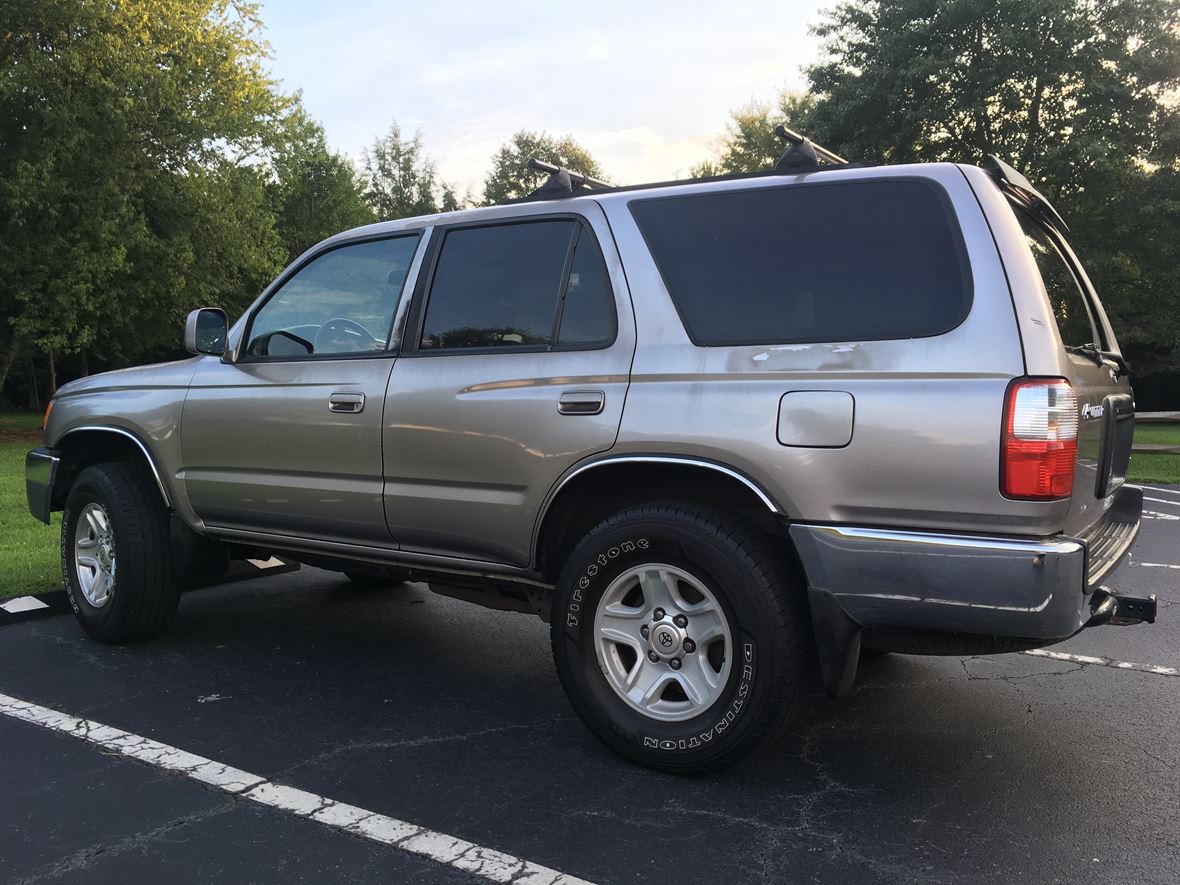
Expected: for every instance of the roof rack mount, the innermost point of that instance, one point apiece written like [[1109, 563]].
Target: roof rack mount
[[803, 152], [563, 182]]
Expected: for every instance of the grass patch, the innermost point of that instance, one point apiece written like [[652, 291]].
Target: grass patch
[[1157, 467], [1157, 434], [29, 559], [29, 421]]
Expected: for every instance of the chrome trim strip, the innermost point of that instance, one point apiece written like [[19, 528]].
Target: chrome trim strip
[[1013, 545], [135, 439]]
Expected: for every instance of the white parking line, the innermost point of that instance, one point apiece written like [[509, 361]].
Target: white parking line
[[1102, 662], [1157, 565], [1165, 491], [1162, 501], [495, 866], [1155, 514]]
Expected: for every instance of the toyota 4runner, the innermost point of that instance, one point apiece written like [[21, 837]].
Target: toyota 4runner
[[721, 434]]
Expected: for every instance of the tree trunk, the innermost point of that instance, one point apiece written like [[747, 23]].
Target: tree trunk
[[34, 399], [7, 358], [84, 364], [52, 373]]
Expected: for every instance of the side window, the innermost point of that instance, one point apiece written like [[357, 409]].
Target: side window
[[515, 285], [340, 303], [588, 308], [1071, 308]]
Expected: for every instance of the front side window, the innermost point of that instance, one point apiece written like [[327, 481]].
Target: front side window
[[1071, 308], [340, 303], [842, 261], [528, 285]]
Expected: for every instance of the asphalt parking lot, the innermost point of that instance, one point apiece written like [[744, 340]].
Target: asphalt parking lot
[[448, 719]]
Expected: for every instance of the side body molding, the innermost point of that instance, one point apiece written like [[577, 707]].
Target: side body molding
[[103, 428]]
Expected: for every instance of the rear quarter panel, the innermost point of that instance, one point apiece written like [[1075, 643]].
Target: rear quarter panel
[[925, 446]]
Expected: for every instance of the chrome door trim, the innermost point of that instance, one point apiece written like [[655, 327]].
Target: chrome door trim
[[142, 447]]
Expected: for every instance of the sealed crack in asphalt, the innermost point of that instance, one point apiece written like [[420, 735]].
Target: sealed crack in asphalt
[[81, 860]]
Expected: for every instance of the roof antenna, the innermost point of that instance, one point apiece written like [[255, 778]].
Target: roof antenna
[[562, 182], [802, 154]]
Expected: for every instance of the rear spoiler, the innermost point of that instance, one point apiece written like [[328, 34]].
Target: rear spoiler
[[1020, 190]]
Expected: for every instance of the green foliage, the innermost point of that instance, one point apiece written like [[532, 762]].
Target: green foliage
[[129, 187], [314, 192], [401, 180], [1077, 94], [511, 176]]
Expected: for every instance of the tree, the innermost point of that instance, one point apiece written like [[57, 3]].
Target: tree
[[401, 180], [129, 139], [1077, 94], [749, 142], [511, 176], [315, 192]]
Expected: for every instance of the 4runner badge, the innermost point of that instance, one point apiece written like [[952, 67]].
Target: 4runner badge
[[1089, 411]]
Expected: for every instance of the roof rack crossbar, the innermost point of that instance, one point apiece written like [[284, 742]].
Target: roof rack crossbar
[[795, 138]]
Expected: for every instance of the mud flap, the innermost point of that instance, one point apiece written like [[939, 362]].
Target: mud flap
[[837, 642]]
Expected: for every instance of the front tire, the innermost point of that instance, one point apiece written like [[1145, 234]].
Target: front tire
[[116, 553], [681, 636]]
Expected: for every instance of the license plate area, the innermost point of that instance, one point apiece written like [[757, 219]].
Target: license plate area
[[1117, 436]]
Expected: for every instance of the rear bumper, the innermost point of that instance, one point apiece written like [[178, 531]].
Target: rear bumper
[[1036, 589], [40, 473]]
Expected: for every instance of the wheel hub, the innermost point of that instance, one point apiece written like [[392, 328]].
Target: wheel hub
[[667, 640]]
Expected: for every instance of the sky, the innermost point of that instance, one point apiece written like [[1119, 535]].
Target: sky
[[646, 87]]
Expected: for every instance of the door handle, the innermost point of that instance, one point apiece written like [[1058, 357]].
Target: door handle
[[350, 403], [581, 402]]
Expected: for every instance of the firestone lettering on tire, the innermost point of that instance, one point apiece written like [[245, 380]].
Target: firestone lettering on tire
[[575, 604], [727, 718]]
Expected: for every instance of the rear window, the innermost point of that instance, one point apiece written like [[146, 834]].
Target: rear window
[[846, 261]]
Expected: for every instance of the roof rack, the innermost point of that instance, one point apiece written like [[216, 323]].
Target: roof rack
[[563, 182], [803, 153], [802, 156]]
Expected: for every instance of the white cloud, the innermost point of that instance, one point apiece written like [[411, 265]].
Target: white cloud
[[646, 87]]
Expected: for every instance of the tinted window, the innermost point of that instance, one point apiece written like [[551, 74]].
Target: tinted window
[[588, 310], [497, 286], [827, 262], [340, 303], [1070, 306]]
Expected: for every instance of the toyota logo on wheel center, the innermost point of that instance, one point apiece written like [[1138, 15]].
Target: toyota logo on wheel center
[[665, 639]]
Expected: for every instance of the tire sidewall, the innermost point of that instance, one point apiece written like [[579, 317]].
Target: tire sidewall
[[93, 486], [728, 722]]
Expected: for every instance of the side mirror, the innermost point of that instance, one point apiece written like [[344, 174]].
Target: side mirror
[[205, 331]]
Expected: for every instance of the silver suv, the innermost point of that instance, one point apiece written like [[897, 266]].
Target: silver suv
[[721, 434]]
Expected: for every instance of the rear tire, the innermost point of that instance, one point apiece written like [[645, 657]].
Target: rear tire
[[116, 553], [714, 582]]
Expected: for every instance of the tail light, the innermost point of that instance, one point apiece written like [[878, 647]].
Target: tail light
[[1040, 446]]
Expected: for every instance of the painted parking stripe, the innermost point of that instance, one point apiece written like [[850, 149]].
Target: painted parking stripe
[[1162, 501], [1165, 491], [1155, 514], [494, 866], [1157, 565], [1102, 662]]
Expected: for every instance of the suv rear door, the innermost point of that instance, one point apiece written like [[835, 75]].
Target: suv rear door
[[1105, 403], [514, 367]]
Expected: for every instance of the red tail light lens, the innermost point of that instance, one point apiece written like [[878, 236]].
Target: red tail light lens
[[1040, 448]]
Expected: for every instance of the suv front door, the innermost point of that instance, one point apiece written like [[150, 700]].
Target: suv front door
[[516, 366], [286, 440]]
